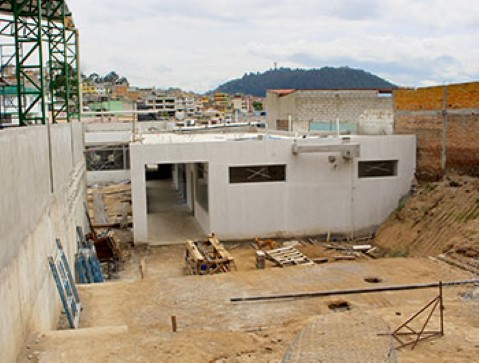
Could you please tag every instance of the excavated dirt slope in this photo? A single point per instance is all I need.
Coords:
(439, 218)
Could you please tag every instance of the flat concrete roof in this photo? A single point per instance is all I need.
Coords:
(173, 138)
(167, 138)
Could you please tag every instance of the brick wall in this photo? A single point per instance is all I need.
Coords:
(420, 112)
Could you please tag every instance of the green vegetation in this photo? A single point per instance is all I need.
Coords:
(256, 84)
(257, 106)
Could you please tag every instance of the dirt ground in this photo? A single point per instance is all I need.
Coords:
(129, 320)
(441, 217)
(432, 236)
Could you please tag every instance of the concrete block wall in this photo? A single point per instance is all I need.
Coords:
(351, 106)
(323, 105)
(36, 207)
(420, 112)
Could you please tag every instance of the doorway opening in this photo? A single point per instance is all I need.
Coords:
(170, 204)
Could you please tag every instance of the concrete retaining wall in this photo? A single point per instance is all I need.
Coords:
(42, 199)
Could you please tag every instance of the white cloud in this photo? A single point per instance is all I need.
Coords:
(198, 44)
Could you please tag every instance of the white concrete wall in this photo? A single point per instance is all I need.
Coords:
(110, 137)
(375, 122)
(280, 107)
(108, 176)
(31, 217)
(142, 126)
(316, 197)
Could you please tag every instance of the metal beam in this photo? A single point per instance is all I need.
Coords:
(31, 23)
(353, 291)
(30, 75)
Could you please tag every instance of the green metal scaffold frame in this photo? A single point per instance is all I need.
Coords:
(45, 60)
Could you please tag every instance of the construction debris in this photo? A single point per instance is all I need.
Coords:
(344, 258)
(262, 243)
(361, 247)
(110, 205)
(288, 256)
(87, 265)
(207, 257)
(409, 335)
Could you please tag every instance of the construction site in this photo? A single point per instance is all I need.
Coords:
(136, 242)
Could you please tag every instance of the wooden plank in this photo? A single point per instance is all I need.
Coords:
(341, 258)
(99, 209)
(195, 253)
(361, 247)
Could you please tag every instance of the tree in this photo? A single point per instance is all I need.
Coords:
(257, 105)
(94, 78)
(111, 77)
(58, 79)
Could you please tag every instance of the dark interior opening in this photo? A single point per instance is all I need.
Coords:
(339, 306)
(158, 172)
(373, 280)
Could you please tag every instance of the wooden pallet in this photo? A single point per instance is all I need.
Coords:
(288, 256)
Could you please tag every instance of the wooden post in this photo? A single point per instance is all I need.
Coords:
(174, 323)
(143, 268)
(440, 296)
(444, 131)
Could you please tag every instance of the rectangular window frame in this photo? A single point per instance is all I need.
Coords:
(252, 174)
(377, 169)
(107, 158)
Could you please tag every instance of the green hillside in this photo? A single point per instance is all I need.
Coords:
(256, 84)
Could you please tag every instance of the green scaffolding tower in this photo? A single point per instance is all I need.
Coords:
(39, 59)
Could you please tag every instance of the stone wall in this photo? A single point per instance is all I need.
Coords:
(44, 192)
(432, 111)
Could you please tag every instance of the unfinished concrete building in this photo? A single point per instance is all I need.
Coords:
(246, 185)
(363, 112)
(307, 189)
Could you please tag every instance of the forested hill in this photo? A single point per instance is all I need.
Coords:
(256, 84)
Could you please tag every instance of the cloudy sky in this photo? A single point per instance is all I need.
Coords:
(198, 44)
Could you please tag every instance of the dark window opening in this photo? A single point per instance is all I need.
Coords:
(107, 158)
(374, 169)
(257, 174)
(202, 185)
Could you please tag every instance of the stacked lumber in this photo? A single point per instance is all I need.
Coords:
(207, 257)
(110, 205)
(120, 254)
